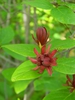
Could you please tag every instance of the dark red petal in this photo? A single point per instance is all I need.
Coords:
(48, 49)
(67, 83)
(53, 53)
(43, 49)
(46, 63)
(36, 52)
(73, 82)
(53, 62)
(37, 67)
(33, 60)
(49, 69)
(39, 34)
(74, 78)
(42, 68)
(68, 78)
(42, 35)
(54, 59)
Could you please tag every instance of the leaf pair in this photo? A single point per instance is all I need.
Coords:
(61, 13)
(6, 35)
(62, 94)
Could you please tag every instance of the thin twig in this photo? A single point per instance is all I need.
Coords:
(66, 50)
(8, 14)
(7, 60)
(26, 19)
(35, 19)
(1, 22)
(3, 8)
(5, 89)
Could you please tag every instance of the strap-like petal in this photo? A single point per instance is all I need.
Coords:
(69, 79)
(42, 68)
(53, 62)
(43, 49)
(36, 68)
(48, 49)
(36, 52)
(53, 53)
(33, 60)
(49, 69)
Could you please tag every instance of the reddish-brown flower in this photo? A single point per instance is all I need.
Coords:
(71, 83)
(41, 36)
(44, 60)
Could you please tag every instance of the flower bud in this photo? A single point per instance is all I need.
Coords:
(41, 36)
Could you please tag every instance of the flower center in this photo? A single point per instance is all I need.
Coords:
(43, 60)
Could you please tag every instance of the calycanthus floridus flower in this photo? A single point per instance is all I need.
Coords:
(44, 60)
(42, 37)
(71, 83)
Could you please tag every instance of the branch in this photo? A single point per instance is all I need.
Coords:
(3, 8)
(1, 22)
(29, 91)
(35, 19)
(26, 19)
(7, 60)
(8, 14)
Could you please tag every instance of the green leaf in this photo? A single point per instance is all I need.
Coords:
(19, 6)
(9, 90)
(71, 96)
(14, 54)
(65, 65)
(64, 15)
(25, 72)
(62, 44)
(6, 35)
(44, 4)
(24, 50)
(70, 5)
(19, 86)
(47, 83)
(7, 73)
(61, 94)
(2, 97)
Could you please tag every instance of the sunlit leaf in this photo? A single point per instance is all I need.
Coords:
(65, 65)
(19, 86)
(44, 4)
(6, 35)
(7, 73)
(25, 72)
(24, 50)
(47, 82)
(9, 90)
(62, 44)
(62, 94)
(1, 97)
(71, 5)
(64, 15)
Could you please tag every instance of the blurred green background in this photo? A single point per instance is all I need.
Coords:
(17, 22)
